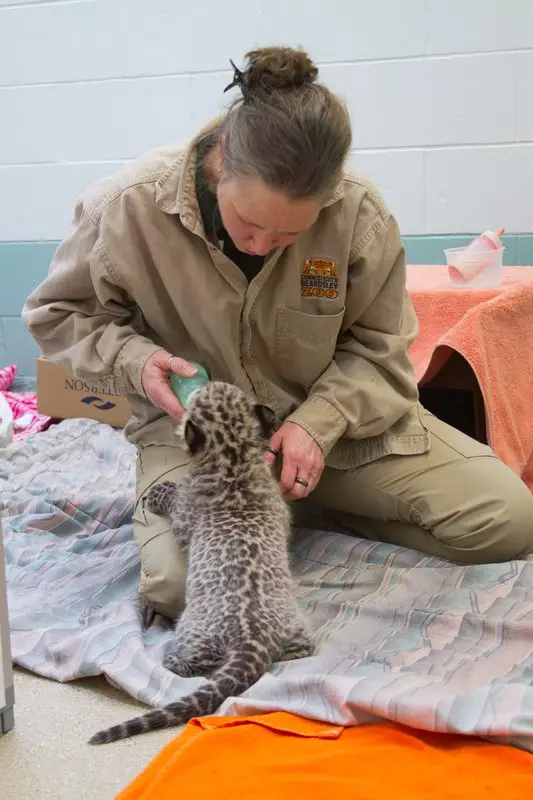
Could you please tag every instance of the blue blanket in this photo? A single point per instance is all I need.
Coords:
(399, 635)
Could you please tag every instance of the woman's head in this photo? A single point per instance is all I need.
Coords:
(280, 150)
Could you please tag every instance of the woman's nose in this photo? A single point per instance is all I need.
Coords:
(261, 244)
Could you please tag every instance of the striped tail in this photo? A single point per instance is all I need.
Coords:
(243, 668)
(162, 497)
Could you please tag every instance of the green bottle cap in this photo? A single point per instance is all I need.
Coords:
(184, 388)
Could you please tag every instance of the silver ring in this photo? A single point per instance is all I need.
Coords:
(271, 450)
(169, 363)
(301, 482)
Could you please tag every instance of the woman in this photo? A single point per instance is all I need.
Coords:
(254, 252)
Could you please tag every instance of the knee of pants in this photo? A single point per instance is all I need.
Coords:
(163, 565)
(163, 577)
(494, 527)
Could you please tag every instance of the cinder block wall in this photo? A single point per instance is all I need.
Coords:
(439, 94)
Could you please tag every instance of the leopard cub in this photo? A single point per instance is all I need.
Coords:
(231, 522)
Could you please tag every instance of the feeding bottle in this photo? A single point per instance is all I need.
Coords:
(186, 388)
(478, 255)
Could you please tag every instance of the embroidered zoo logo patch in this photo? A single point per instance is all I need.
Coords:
(319, 278)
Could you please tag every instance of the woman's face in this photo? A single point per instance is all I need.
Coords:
(259, 219)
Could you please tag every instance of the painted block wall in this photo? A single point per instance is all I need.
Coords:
(440, 95)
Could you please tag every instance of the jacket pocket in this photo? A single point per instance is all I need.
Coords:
(305, 344)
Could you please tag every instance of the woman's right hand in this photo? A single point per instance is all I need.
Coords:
(156, 384)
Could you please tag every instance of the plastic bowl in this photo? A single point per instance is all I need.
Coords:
(475, 270)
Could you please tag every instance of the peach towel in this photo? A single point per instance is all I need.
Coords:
(280, 756)
(493, 330)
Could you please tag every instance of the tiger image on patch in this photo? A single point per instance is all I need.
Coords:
(319, 278)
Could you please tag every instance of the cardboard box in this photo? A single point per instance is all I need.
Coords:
(62, 396)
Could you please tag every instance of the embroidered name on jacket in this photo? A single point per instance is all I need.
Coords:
(319, 278)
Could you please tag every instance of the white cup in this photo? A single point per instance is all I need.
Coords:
(475, 269)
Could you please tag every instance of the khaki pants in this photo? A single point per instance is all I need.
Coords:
(458, 502)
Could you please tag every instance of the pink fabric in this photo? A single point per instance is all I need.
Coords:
(27, 420)
(493, 330)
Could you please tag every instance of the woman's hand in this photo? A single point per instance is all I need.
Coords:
(302, 458)
(156, 384)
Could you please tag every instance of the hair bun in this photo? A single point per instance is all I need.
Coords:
(272, 68)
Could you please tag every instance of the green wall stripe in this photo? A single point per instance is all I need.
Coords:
(23, 265)
(17, 346)
(429, 249)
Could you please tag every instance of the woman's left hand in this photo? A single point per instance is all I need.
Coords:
(302, 458)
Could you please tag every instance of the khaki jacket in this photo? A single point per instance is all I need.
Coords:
(320, 335)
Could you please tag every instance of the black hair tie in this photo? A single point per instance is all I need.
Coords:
(238, 80)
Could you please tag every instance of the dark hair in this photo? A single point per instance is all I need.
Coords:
(286, 129)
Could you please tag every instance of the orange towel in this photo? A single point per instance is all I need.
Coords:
(279, 756)
(493, 330)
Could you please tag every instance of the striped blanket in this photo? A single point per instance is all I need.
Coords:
(400, 635)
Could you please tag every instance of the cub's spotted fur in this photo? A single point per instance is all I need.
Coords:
(230, 520)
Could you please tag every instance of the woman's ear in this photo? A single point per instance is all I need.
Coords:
(194, 437)
(267, 420)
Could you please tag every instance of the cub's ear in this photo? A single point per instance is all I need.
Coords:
(267, 420)
(194, 437)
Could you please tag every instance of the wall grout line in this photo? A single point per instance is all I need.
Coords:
(20, 164)
(40, 4)
(223, 72)
(444, 147)
(523, 143)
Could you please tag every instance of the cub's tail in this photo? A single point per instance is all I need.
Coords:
(243, 667)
